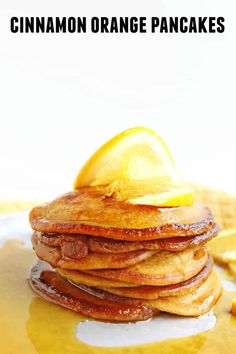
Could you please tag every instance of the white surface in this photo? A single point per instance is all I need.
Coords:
(102, 334)
(64, 95)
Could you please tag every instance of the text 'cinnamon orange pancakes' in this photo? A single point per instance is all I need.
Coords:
(126, 259)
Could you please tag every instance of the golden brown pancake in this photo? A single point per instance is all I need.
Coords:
(91, 280)
(163, 268)
(193, 304)
(153, 292)
(49, 285)
(133, 290)
(93, 260)
(77, 246)
(106, 261)
(88, 211)
(173, 244)
(105, 306)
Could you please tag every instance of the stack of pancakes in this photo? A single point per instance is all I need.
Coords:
(116, 261)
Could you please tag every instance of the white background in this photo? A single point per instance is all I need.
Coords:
(62, 95)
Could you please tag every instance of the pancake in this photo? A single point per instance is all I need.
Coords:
(153, 292)
(175, 244)
(192, 304)
(161, 269)
(78, 277)
(104, 306)
(77, 246)
(133, 290)
(49, 285)
(88, 211)
(93, 260)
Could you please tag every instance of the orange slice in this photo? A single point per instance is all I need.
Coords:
(135, 154)
(172, 198)
(137, 166)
